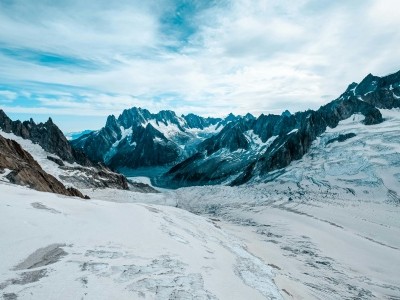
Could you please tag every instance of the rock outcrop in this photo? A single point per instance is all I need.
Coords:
(24, 170)
(52, 140)
(47, 135)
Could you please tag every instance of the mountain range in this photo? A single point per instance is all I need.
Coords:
(231, 150)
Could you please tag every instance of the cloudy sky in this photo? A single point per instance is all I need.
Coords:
(79, 61)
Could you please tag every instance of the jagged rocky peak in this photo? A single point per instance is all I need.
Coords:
(166, 116)
(111, 122)
(151, 132)
(286, 113)
(231, 137)
(195, 121)
(134, 117)
(231, 117)
(351, 87)
(367, 85)
(148, 147)
(126, 135)
(52, 140)
(47, 135)
(249, 116)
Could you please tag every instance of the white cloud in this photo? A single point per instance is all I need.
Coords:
(7, 96)
(257, 56)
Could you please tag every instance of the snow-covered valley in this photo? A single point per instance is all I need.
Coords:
(65, 248)
(326, 227)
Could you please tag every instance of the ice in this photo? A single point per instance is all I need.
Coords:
(105, 250)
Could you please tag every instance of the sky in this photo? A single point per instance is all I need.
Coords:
(80, 61)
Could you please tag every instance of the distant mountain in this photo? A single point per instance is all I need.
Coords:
(232, 150)
(74, 135)
(248, 149)
(139, 138)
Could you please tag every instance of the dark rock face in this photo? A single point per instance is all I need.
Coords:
(230, 137)
(56, 160)
(291, 135)
(341, 138)
(26, 171)
(194, 121)
(47, 135)
(99, 177)
(152, 149)
(51, 139)
(138, 138)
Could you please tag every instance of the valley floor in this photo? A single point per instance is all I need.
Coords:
(226, 243)
(329, 246)
(55, 247)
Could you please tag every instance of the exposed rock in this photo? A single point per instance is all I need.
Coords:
(47, 135)
(142, 187)
(231, 137)
(56, 160)
(26, 171)
(51, 139)
(194, 121)
(99, 177)
(341, 138)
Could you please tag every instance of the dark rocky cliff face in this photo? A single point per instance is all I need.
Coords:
(51, 139)
(151, 148)
(47, 135)
(26, 171)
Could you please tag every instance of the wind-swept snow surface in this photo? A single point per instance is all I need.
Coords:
(56, 247)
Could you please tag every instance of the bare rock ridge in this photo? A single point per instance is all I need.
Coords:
(24, 170)
(52, 140)
(47, 135)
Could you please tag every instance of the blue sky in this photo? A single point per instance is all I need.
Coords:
(79, 61)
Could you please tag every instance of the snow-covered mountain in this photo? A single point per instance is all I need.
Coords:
(233, 150)
(252, 148)
(74, 135)
(328, 222)
(138, 138)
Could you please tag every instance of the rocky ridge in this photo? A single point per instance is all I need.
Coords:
(52, 140)
(22, 169)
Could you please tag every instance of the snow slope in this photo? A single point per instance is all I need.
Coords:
(328, 224)
(56, 247)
